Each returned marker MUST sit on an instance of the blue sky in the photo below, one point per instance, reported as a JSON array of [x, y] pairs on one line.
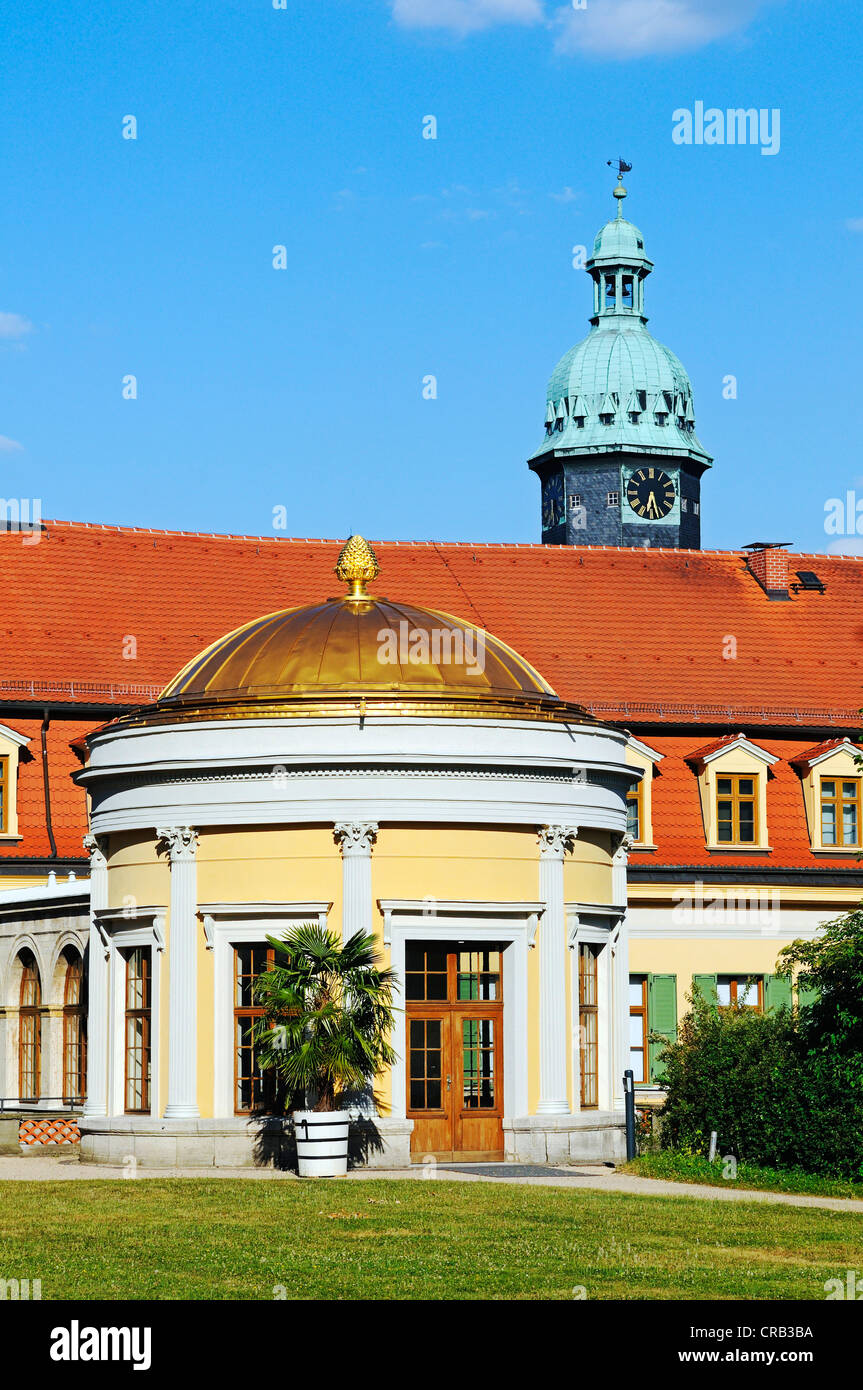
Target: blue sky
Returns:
[[302, 388]]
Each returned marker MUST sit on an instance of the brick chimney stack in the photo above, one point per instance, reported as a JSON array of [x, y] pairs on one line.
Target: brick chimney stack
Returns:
[[767, 562]]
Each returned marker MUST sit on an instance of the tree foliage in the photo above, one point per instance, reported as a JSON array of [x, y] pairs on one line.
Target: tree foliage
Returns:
[[780, 1089], [328, 1015], [829, 972]]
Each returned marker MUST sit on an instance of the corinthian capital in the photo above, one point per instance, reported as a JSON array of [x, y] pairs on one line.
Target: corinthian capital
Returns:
[[556, 840], [622, 845], [181, 841], [355, 836], [95, 847]]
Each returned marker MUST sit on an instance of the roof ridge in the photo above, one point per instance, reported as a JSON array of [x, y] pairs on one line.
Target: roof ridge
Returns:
[[549, 550]]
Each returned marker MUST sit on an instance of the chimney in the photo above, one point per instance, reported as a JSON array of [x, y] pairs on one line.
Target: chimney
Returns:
[[767, 562]]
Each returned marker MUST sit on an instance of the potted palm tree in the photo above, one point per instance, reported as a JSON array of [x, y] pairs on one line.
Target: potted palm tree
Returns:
[[325, 1029]]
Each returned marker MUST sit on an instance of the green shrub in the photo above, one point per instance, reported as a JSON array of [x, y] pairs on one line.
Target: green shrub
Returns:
[[829, 970], [749, 1077]]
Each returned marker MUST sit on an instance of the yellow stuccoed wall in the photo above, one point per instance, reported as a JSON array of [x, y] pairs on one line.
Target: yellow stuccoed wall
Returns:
[[263, 864], [705, 956], [257, 864], [13, 881]]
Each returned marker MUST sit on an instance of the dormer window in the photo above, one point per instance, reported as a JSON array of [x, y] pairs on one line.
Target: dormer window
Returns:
[[634, 417], [736, 810], [732, 785], [840, 813], [13, 746], [833, 796], [579, 422], [606, 419], [661, 417], [639, 798]]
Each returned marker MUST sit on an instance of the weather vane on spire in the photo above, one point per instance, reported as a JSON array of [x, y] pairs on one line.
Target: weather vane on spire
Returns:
[[620, 192]]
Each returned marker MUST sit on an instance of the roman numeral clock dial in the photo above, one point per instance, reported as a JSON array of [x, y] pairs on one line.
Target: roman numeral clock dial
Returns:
[[650, 493]]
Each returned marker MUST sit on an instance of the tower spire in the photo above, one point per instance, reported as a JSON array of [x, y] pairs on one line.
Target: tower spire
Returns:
[[622, 168]]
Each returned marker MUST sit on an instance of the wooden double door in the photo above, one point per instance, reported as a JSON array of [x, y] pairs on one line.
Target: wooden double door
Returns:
[[454, 1026]]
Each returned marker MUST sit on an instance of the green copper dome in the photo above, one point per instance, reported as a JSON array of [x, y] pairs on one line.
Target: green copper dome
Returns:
[[619, 390], [619, 240]]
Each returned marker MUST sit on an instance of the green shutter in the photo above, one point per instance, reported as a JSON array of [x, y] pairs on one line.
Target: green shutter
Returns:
[[777, 992], [706, 986], [661, 1018], [806, 996]]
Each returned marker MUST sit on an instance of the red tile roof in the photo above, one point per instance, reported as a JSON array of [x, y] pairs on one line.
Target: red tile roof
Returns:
[[108, 614], [68, 810], [810, 754], [699, 754], [677, 824]]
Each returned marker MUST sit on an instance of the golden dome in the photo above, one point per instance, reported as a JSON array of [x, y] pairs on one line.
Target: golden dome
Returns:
[[314, 658]]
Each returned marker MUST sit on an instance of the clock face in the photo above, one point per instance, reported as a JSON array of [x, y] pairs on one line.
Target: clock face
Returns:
[[650, 493], [552, 501]]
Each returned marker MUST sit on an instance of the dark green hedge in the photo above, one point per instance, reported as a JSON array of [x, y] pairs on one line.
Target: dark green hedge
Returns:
[[748, 1076]]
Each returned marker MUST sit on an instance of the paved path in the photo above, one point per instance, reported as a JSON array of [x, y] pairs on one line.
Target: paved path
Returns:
[[44, 1168]]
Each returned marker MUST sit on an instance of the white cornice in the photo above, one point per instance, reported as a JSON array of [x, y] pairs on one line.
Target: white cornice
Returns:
[[844, 746], [433, 910], [12, 737], [740, 742], [638, 747]]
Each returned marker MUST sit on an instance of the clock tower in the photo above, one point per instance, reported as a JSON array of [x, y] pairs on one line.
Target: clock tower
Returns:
[[620, 462]]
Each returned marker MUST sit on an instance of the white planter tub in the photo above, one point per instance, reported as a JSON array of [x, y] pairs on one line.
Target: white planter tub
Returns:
[[322, 1143]]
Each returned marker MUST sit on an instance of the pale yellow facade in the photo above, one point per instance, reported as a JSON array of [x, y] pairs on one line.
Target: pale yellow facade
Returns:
[[295, 864]]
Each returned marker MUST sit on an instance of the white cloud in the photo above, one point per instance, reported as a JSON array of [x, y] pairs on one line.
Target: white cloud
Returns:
[[14, 326], [854, 224], [848, 546], [9, 446], [465, 16], [566, 195], [632, 28]]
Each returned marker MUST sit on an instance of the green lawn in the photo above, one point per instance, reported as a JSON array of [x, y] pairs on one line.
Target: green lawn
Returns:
[[683, 1167], [383, 1239]]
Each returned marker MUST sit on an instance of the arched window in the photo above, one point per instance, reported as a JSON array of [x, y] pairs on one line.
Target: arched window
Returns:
[[74, 1030], [30, 1029]]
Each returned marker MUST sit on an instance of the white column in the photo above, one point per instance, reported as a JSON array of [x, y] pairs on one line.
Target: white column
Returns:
[[620, 980], [554, 841], [97, 984], [355, 838], [182, 1104]]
